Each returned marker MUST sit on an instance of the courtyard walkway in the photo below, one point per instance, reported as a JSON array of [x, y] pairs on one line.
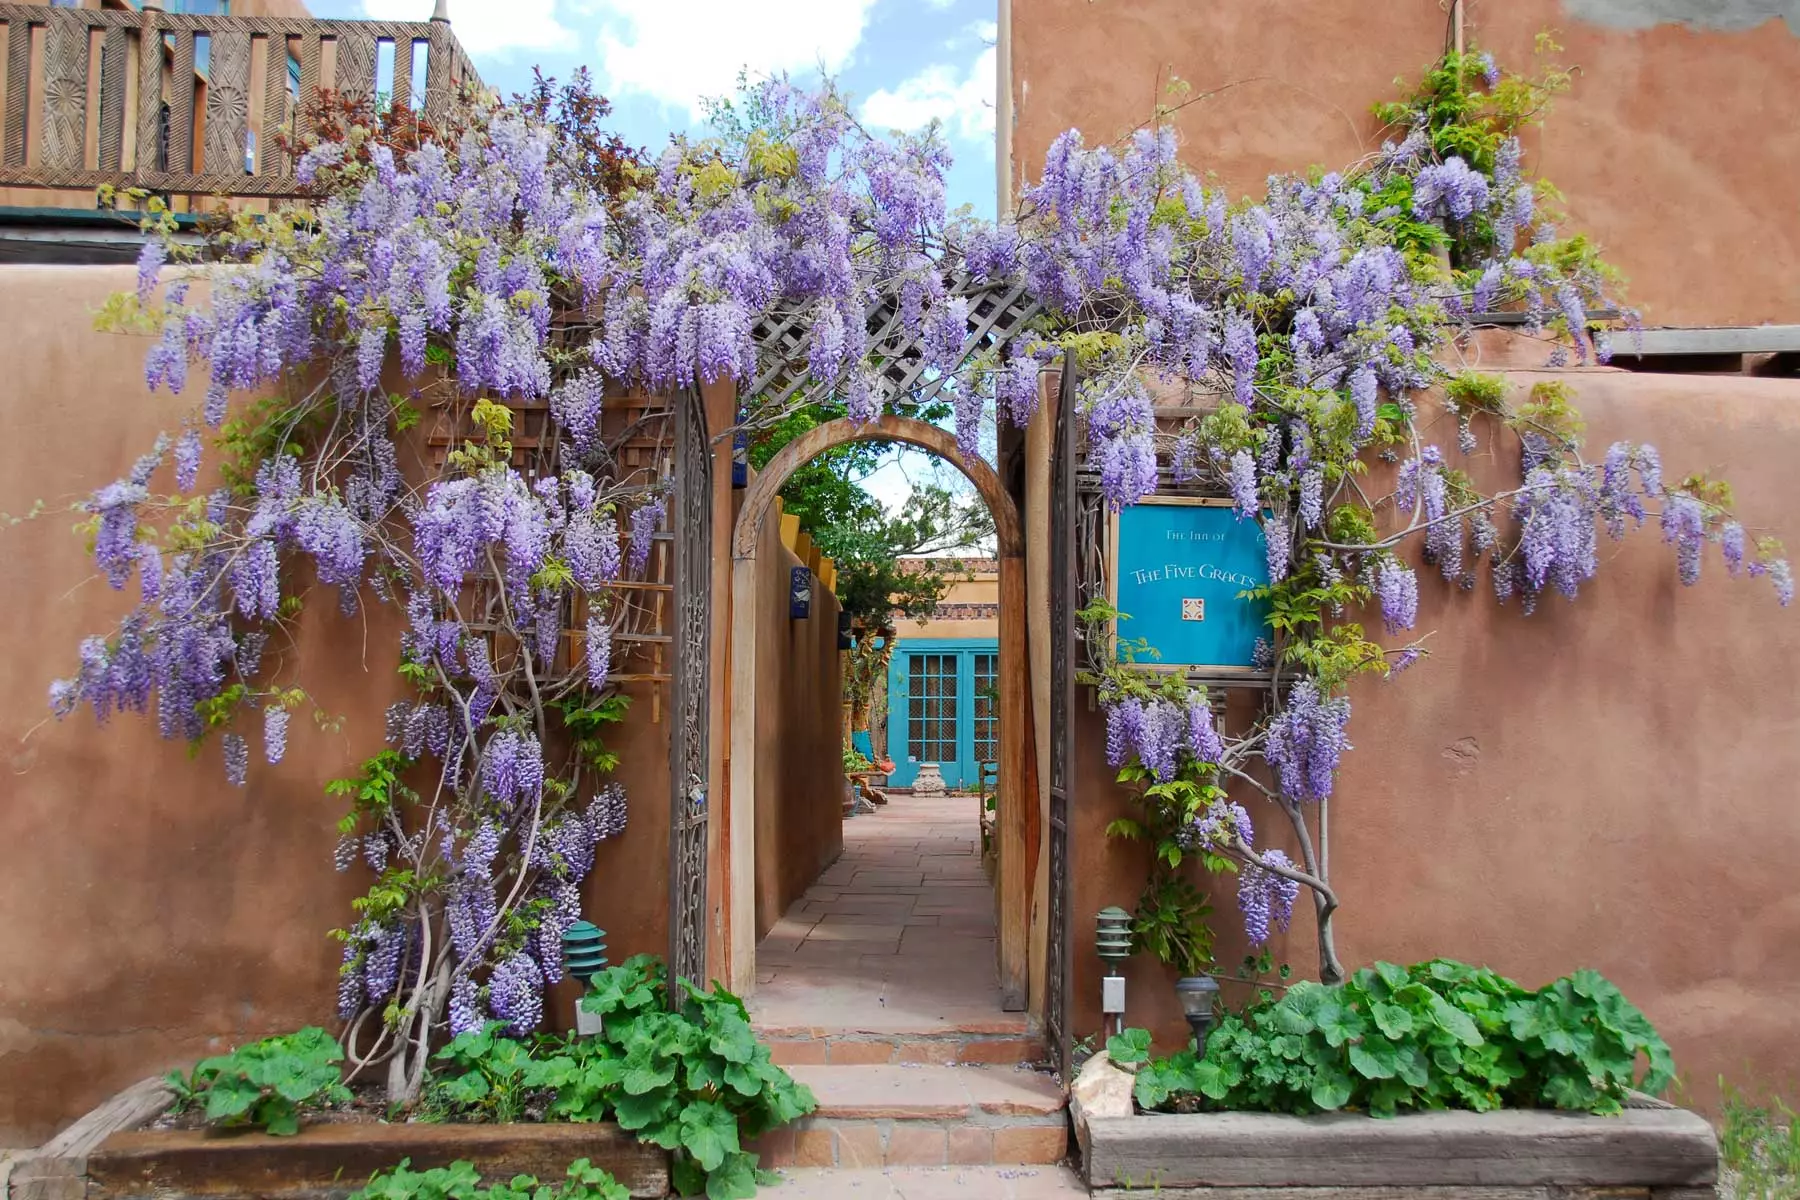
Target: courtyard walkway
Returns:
[[896, 937]]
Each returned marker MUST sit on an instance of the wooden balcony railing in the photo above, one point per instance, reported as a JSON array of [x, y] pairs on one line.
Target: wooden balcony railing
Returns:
[[193, 104]]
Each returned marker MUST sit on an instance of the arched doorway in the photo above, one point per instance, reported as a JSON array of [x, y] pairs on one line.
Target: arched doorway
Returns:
[[1016, 824]]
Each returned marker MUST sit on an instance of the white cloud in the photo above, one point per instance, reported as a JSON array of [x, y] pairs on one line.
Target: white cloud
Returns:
[[986, 31], [485, 26], [679, 51], [940, 5], [963, 102]]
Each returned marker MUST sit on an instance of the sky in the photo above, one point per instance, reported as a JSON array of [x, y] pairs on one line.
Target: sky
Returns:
[[902, 63]]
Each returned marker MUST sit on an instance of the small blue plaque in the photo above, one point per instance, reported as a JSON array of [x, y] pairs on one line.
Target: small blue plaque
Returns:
[[1179, 568], [800, 593]]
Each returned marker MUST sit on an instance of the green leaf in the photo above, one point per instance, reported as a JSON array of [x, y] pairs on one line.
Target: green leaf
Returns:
[[279, 1117], [1455, 1022], [643, 1074], [1130, 1046], [1373, 1061], [734, 1180], [1331, 1090], [230, 1098], [708, 1132], [1391, 1019], [640, 1112]]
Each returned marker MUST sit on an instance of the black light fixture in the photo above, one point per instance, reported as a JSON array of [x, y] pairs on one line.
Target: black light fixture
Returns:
[[1198, 995], [800, 593], [844, 640]]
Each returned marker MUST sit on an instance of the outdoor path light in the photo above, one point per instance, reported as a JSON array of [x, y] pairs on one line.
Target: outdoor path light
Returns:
[[1112, 942], [584, 956], [1198, 995]]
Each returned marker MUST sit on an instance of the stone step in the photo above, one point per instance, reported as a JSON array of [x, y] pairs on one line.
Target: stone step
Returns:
[[923, 1116], [931, 1183], [1004, 1041]]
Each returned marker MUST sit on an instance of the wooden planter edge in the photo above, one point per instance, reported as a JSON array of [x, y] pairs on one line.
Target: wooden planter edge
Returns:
[[329, 1161], [1664, 1152]]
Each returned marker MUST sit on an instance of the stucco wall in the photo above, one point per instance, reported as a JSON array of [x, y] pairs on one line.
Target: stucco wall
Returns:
[[799, 744], [153, 913], [1674, 147], [1608, 783]]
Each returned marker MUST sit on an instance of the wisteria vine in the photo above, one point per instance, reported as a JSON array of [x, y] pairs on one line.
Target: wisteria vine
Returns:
[[474, 271]]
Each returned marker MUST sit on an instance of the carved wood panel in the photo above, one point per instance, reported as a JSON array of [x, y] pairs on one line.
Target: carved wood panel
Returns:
[[227, 103], [65, 94]]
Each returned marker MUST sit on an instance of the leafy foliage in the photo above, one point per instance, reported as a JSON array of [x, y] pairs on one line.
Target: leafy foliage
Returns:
[[1440, 1034], [461, 1181], [480, 1078], [694, 1081], [266, 1084]]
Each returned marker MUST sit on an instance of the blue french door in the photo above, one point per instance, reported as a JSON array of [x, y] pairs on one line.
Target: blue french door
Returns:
[[943, 708]]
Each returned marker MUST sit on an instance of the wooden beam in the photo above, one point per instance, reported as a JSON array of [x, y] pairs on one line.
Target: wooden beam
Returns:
[[1639, 1148], [1016, 824], [1749, 339]]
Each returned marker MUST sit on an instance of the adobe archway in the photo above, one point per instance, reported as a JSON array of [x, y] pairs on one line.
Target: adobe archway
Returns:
[[1017, 817]]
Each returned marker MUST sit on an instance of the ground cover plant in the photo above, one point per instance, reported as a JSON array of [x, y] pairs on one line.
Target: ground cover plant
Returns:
[[460, 1181], [266, 1084], [1389, 1039], [691, 1078]]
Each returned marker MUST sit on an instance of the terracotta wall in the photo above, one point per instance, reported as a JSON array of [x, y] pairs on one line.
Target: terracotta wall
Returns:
[[1606, 784], [1674, 147], [155, 914], [799, 739]]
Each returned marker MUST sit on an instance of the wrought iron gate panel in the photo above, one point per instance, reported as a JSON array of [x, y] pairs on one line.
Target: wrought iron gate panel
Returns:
[[690, 520], [1057, 967]]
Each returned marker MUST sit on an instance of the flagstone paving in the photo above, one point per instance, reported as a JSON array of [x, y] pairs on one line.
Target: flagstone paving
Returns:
[[897, 936], [878, 989]]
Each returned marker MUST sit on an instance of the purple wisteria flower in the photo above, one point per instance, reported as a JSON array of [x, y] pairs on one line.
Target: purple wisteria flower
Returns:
[[275, 726], [1397, 588], [646, 520], [1306, 739]]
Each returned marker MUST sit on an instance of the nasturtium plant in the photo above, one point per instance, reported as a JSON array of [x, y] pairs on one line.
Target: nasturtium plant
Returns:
[[1439, 1034], [461, 1181], [695, 1081], [266, 1084]]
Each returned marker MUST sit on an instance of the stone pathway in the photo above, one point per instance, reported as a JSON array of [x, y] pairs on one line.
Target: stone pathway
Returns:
[[896, 936], [878, 989]]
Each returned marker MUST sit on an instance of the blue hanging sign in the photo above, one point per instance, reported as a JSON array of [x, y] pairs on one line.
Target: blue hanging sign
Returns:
[[800, 593], [1179, 566]]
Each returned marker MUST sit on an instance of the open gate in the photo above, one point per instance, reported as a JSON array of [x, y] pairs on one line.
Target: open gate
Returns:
[[1063, 500], [690, 521]]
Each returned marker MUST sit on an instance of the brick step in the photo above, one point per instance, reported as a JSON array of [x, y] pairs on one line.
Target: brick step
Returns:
[[932, 1183], [923, 1116], [1002, 1042]]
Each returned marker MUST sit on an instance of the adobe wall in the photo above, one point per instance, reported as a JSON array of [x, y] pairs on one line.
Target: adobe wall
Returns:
[[154, 914], [1674, 148], [1606, 784], [799, 743]]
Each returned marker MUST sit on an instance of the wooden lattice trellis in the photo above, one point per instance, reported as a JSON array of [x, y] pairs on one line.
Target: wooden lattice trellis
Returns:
[[997, 313], [638, 446]]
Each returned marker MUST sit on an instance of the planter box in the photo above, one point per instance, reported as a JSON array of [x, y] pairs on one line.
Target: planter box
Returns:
[[1660, 1153], [329, 1161]]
